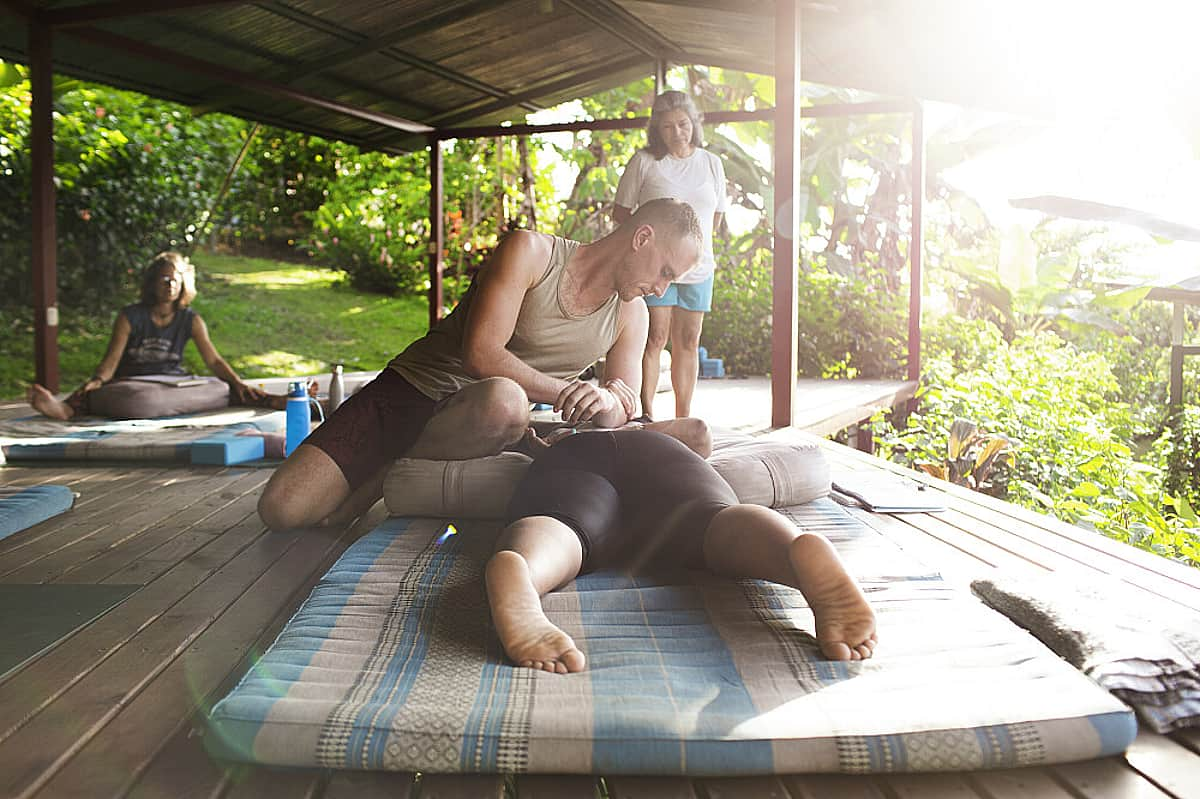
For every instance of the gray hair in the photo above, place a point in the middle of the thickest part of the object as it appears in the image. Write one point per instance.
(664, 104)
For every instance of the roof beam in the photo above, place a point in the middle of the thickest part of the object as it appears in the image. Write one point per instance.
(197, 66)
(357, 39)
(626, 123)
(450, 12)
(611, 17)
(483, 107)
(97, 12)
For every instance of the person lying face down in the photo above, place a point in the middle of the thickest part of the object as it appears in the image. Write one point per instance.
(633, 498)
(541, 311)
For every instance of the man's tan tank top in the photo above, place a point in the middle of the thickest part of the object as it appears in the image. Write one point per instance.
(546, 337)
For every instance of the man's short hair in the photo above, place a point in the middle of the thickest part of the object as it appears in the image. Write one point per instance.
(670, 216)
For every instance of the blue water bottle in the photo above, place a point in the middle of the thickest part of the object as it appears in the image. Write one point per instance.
(297, 416)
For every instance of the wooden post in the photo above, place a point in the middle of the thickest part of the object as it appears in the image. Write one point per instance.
(660, 77)
(785, 246)
(1175, 376)
(437, 230)
(45, 271)
(916, 243)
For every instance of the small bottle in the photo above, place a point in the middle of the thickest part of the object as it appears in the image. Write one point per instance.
(337, 389)
(297, 416)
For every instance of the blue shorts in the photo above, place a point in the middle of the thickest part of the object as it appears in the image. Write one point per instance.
(688, 296)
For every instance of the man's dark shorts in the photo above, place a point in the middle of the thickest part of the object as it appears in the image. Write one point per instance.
(378, 424)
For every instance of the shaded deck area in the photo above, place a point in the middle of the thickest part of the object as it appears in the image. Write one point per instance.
(112, 709)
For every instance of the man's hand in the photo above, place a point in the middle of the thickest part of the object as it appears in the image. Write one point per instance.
(580, 401)
(624, 394)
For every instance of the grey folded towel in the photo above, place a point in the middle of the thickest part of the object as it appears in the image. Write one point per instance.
(1145, 651)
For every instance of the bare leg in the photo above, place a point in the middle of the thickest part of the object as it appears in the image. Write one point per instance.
(47, 404)
(309, 488)
(752, 541)
(685, 357)
(480, 420)
(656, 339)
(534, 556)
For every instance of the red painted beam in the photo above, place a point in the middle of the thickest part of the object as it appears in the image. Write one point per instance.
(45, 272)
(437, 231)
(628, 123)
(916, 243)
(785, 245)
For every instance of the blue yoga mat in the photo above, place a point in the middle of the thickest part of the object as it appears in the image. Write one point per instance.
(22, 508)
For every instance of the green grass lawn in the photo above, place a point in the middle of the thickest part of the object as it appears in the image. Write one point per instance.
(268, 318)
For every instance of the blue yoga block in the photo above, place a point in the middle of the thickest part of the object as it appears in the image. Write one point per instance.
(226, 449)
(712, 367)
(32, 505)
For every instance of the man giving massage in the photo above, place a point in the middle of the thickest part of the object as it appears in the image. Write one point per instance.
(630, 498)
(542, 310)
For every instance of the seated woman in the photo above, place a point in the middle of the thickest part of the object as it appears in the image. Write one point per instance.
(148, 339)
(628, 498)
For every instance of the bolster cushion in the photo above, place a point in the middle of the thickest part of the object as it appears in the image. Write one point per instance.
(131, 398)
(770, 473)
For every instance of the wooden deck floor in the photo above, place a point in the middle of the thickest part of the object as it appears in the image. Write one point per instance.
(112, 710)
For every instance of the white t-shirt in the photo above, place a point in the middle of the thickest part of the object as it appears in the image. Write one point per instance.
(698, 180)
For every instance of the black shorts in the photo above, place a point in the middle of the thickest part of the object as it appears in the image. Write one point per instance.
(376, 425)
(635, 498)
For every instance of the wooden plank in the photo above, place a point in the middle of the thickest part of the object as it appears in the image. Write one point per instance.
(69, 694)
(1017, 783)
(988, 552)
(1166, 763)
(118, 527)
(1189, 738)
(553, 786)
(827, 786)
(183, 770)
(275, 783)
(165, 543)
(1008, 515)
(18, 550)
(742, 788)
(461, 786)
(226, 619)
(952, 562)
(929, 786)
(1109, 778)
(650, 788)
(369, 785)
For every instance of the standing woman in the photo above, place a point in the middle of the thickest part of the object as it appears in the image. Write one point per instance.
(148, 339)
(674, 163)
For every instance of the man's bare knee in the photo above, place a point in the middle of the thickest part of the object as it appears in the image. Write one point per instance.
(503, 409)
(303, 491)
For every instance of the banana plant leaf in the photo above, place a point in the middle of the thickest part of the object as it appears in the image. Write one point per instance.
(1100, 212)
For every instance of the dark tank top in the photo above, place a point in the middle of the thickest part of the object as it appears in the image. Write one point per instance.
(154, 350)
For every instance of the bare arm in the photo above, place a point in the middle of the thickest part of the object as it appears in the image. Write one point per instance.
(514, 268)
(623, 362)
(218, 365)
(116, 348)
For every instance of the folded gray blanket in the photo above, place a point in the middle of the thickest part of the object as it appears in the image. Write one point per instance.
(1145, 651)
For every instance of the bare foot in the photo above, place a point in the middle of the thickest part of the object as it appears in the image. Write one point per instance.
(528, 637)
(47, 404)
(845, 621)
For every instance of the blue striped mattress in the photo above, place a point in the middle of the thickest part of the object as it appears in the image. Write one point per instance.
(392, 663)
(170, 438)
